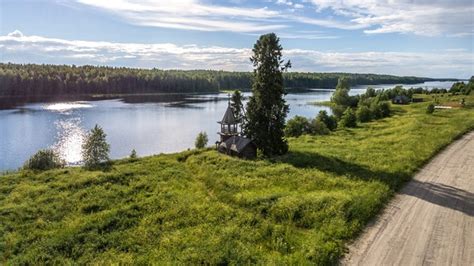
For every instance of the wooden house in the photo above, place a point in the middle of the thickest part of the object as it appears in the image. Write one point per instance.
(401, 99)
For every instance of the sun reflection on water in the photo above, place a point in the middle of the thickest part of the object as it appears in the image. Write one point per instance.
(66, 106)
(69, 138)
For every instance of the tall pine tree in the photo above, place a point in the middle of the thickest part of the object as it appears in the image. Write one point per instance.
(237, 106)
(266, 109)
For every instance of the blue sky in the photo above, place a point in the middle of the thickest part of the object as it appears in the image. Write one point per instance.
(403, 37)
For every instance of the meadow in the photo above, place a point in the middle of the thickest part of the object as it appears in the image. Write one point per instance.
(200, 206)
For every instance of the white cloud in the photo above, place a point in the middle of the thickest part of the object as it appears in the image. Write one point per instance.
(452, 18)
(190, 14)
(19, 48)
(422, 17)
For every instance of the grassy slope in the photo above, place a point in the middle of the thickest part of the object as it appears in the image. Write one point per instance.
(206, 207)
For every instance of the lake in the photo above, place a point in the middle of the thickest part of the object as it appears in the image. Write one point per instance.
(150, 124)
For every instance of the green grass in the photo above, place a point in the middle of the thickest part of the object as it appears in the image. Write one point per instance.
(204, 207)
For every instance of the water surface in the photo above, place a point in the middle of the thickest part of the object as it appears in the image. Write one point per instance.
(150, 124)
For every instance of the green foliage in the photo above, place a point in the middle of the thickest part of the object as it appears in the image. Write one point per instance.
(201, 140)
(267, 109)
(430, 108)
(379, 109)
(329, 120)
(202, 207)
(462, 88)
(340, 99)
(348, 118)
(95, 149)
(44, 160)
(318, 127)
(133, 154)
(297, 126)
(39, 80)
(363, 114)
(237, 105)
(300, 125)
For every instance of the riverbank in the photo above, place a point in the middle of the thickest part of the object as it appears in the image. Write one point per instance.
(204, 207)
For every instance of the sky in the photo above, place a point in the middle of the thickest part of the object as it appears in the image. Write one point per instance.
(429, 38)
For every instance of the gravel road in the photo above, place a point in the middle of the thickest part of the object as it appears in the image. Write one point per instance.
(430, 221)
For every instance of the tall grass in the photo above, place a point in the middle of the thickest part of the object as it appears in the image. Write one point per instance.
(204, 207)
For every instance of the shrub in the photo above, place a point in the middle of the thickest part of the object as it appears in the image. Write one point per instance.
(201, 140)
(348, 118)
(329, 121)
(317, 127)
(297, 126)
(338, 110)
(384, 108)
(430, 108)
(44, 160)
(133, 154)
(363, 114)
(95, 149)
(379, 109)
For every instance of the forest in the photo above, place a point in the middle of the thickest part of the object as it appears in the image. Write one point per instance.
(29, 80)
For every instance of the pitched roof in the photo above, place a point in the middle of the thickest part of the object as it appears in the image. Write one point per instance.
(237, 143)
(228, 117)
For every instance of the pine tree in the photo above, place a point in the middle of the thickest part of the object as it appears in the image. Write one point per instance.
(237, 105)
(201, 140)
(95, 149)
(266, 109)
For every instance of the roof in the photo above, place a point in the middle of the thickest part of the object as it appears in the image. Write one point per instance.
(401, 97)
(237, 143)
(228, 117)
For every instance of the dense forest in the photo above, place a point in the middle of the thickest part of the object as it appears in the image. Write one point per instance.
(41, 80)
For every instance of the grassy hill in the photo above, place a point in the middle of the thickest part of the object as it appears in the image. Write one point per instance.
(204, 207)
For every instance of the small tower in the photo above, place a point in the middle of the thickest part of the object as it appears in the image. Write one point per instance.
(229, 125)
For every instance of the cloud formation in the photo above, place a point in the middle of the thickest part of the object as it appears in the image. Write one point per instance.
(421, 17)
(19, 48)
(452, 18)
(190, 15)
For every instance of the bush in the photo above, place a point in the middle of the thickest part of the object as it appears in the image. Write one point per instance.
(317, 127)
(363, 114)
(380, 109)
(430, 108)
(133, 154)
(329, 121)
(201, 140)
(297, 126)
(348, 119)
(338, 110)
(44, 160)
(384, 108)
(95, 149)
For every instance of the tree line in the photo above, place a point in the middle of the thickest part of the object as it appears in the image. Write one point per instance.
(42, 80)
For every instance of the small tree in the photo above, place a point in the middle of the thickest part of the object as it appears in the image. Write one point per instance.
(348, 118)
(363, 114)
(44, 160)
(341, 94)
(385, 109)
(133, 154)
(329, 120)
(201, 140)
(95, 149)
(318, 127)
(297, 126)
(430, 108)
(340, 98)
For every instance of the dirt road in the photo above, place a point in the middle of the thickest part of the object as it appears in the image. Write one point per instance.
(431, 220)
